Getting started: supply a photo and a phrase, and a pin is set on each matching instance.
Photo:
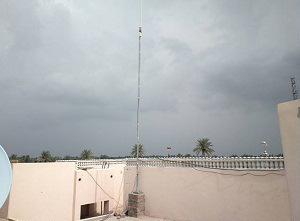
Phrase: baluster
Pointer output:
(256, 164)
(272, 166)
(281, 165)
(240, 163)
(251, 164)
(243, 164)
(265, 164)
(260, 166)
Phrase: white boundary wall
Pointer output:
(190, 195)
(41, 192)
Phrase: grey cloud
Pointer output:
(69, 74)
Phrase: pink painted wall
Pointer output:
(189, 195)
(290, 138)
(41, 192)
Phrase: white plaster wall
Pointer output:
(290, 138)
(41, 192)
(186, 194)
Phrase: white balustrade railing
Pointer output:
(104, 163)
(237, 163)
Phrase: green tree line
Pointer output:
(46, 156)
(202, 148)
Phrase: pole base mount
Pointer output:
(136, 204)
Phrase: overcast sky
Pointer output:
(213, 69)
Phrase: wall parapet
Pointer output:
(104, 163)
(237, 163)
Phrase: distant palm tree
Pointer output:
(203, 146)
(46, 156)
(86, 154)
(141, 150)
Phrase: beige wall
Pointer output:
(42, 191)
(53, 192)
(87, 190)
(290, 138)
(186, 194)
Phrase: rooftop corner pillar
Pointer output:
(289, 122)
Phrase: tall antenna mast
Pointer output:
(138, 102)
(294, 88)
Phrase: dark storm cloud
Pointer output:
(209, 69)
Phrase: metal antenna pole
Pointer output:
(138, 106)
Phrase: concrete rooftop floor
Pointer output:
(143, 218)
(114, 218)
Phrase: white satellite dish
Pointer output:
(5, 176)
